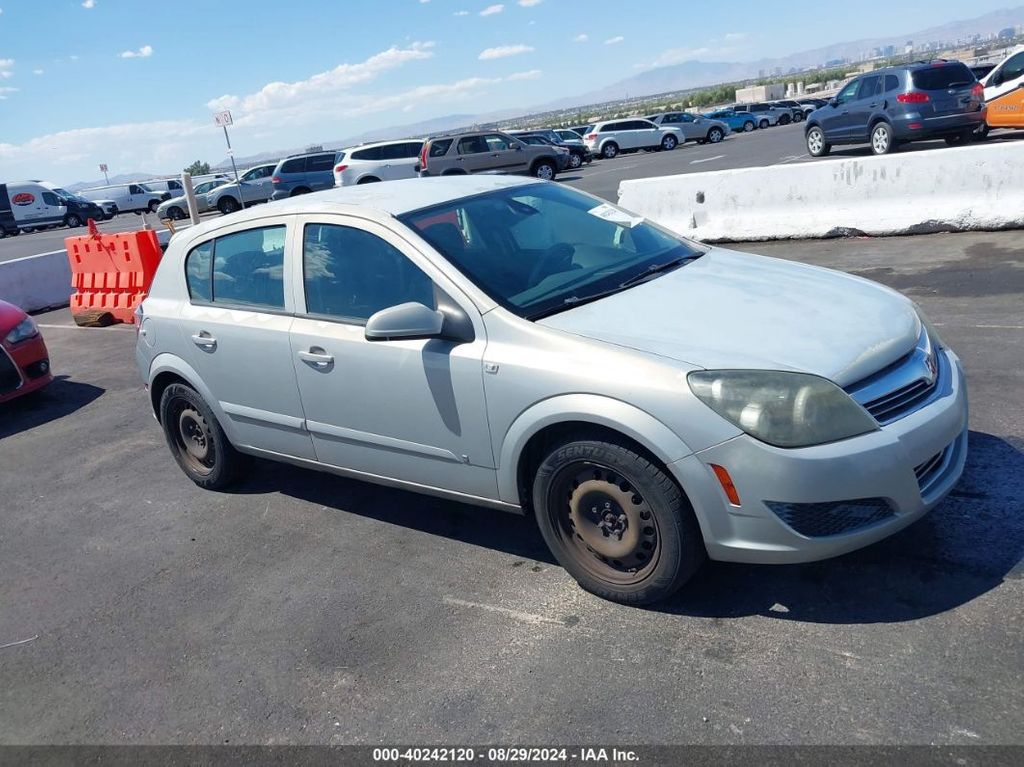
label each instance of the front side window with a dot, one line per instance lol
(497, 143)
(50, 198)
(135, 189)
(1013, 68)
(541, 248)
(244, 268)
(352, 274)
(848, 93)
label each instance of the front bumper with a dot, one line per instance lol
(31, 362)
(879, 466)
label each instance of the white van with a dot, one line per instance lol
(28, 205)
(127, 197)
(170, 185)
(1004, 96)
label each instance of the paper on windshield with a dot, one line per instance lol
(615, 215)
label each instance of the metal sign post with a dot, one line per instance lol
(223, 119)
(103, 169)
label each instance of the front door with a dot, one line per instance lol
(835, 119)
(235, 329)
(411, 410)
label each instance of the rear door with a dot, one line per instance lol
(472, 154)
(400, 159)
(320, 171)
(867, 102)
(647, 134)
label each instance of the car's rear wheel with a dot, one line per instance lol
(616, 521)
(715, 135)
(228, 205)
(785, 119)
(545, 170)
(669, 142)
(196, 440)
(610, 150)
(300, 190)
(153, 205)
(817, 146)
(981, 133)
(959, 139)
(763, 124)
(72, 221)
(368, 180)
(748, 126)
(882, 139)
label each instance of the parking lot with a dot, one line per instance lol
(305, 608)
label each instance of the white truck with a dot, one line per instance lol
(136, 198)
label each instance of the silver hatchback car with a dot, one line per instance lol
(521, 345)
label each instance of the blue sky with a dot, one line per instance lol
(134, 83)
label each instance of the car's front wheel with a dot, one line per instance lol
(763, 124)
(715, 135)
(748, 126)
(228, 205)
(669, 142)
(575, 160)
(616, 521)
(72, 221)
(882, 139)
(196, 439)
(545, 170)
(175, 213)
(817, 146)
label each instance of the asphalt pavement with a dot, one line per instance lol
(306, 608)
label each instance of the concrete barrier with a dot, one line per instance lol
(43, 281)
(952, 189)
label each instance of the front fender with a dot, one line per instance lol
(624, 418)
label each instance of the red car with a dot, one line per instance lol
(24, 360)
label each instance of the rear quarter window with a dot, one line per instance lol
(938, 78)
(320, 162)
(297, 165)
(440, 148)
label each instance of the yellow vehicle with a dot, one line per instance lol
(1004, 92)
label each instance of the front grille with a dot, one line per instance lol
(10, 378)
(924, 471)
(818, 520)
(894, 405)
(933, 472)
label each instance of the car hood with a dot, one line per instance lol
(735, 310)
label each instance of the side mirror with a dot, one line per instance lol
(411, 320)
(833, 103)
(519, 147)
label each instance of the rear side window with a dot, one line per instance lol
(869, 86)
(244, 268)
(892, 83)
(440, 148)
(611, 127)
(938, 78)
(472, 145)
(370, 153)
(295, 165)
(320, 162)
(352, 274)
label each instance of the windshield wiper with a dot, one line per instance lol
(655, 269)
(573, 301)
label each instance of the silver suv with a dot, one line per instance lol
(460, 154)
(524, 346)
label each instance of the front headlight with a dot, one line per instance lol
(23, 331)
(782, 409)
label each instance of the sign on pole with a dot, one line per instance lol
(103, 168)
(223, 119)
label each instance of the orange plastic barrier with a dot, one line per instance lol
(111, 274)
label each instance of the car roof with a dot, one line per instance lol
(392, 198)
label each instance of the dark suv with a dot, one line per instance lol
(889, 107)
(304, 173)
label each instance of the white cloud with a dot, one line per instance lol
(89, 4)
(37, 71)
(533, 74)
(530, 3)
(461, 13)
(278, 95)
(581, 38)
(614, 40)
(424, 2)
(6, 65)
(142, 53)
(3, 95)
(490, 10)
(503, 51)
(716, 48)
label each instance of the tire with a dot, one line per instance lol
(153, 205)
(981, 133)
(817, 146)
(175, 213)
(882, 141)
(610, 150)
(299, 190)
(798, 117)
(368, 180)
(544, 169)
(114, 211)
(228, 205)
(960, 139)
(748, 126)
(715, 135)
(72, 221)
(669, 142)
(658, 546)
(763, 124)
(785, 119)
(575, 160)
(196, 440)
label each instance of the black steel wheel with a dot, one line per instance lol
(196, 440)
(616, 521)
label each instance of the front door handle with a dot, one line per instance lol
(204, 340)
(317, 357)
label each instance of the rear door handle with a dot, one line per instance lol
(204, 340)
(317, 357)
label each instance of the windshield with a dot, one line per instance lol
(542, 248)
